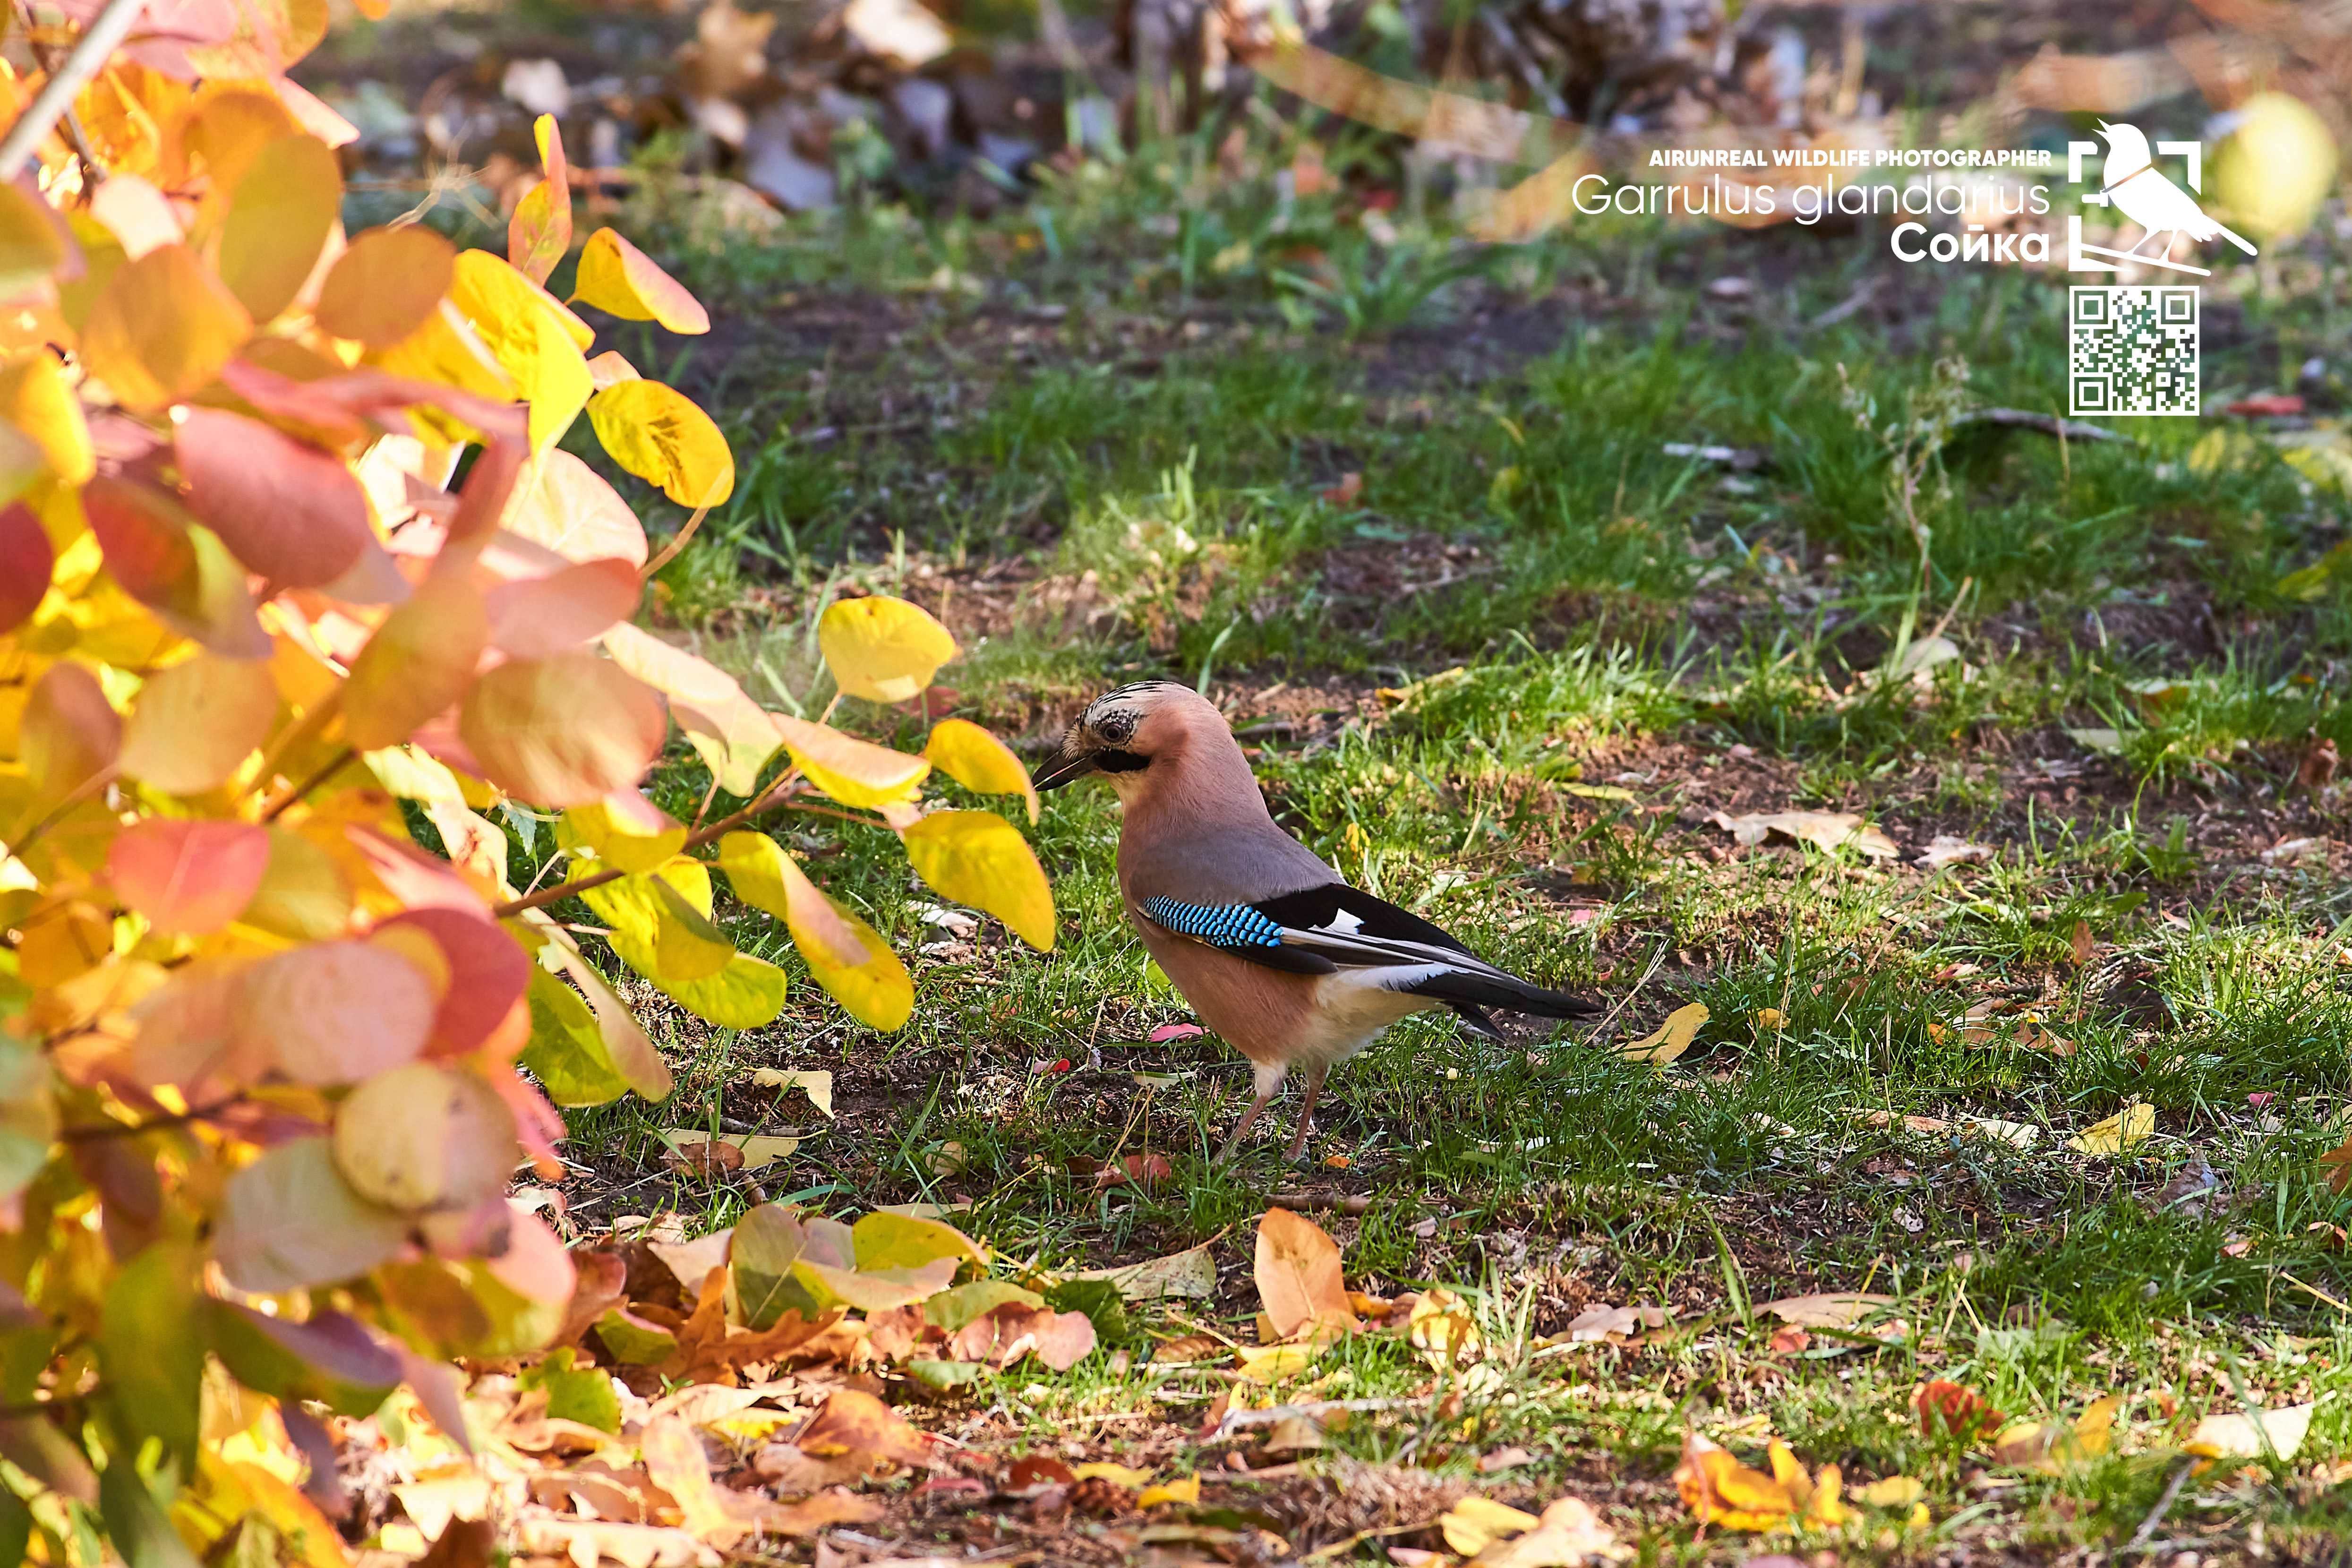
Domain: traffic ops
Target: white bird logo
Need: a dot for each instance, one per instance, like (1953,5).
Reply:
(2141,193)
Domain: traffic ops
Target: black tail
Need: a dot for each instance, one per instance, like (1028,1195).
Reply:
(1465,992)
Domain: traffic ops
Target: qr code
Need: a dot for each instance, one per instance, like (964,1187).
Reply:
(2133,350)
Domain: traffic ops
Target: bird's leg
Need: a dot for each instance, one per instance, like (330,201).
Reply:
(1249,1116)
(1306,1116)
(2170,241)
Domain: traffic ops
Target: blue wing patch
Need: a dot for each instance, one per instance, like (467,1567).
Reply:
(1230,925)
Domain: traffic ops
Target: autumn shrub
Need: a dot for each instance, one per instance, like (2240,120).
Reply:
(260,1050)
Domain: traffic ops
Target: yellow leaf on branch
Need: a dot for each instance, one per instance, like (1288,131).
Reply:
(977,858)
(883,650)
(979,761)
(853,771)
(658,434)
(621,281)
(848,956)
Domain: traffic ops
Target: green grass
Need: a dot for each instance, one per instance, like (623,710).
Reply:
(1621,643)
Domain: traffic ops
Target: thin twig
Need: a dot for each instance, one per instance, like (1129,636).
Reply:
(1240,1420)
(2147,1530)
(668,552)
(97,45)
(56,814)
(336,764)
(1601,1030)
(91,1131)
(1299,1203)
(776,799)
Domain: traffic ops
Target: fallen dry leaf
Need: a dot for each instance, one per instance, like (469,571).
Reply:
(1140,1169)
(1822,829)
(710,1349)
(2317,769)
(1298,1275)
(1828,1309)
(1948,1408)
(2337,1164)
(1949,849)
(1476,1522)
(1443,1328)
(720,1514)
(851,1436)
(2242,1436)
(1191,1274)
(696,1153)
(691,1262)
(1614,1325)
(1119,1475)
(541,1533)
(1569,1535)
(2049,1447)
(1673,1038)
(817,1086)
(1719,1490)
(1003,1335)
(1895,1491)
(1184,1490)
(2120,1133)
(1508,1459)
(1272,1363)
(2015,1133)
(761,1151)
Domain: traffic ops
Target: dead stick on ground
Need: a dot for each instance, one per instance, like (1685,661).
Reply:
(1300,1202)
(1241,1420)
(2147,1530)
(1600,1035)
(1361,1536)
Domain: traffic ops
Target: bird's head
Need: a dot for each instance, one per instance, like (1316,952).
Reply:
(2124,140)
(1123,734)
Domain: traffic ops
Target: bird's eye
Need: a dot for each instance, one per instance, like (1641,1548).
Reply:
(1115,727)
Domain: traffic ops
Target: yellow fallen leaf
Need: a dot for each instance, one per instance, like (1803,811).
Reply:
(1187,1491)
(1673,1038)
(1895,1491)
(2049,1447)
(1270,1364)
(1119,1475)
(2127,1128)
(1919,1518)
(1441,1327)
(762,1151)
(1477,1523)
(1569,1535)
(754,1426)
(1769,1018)
(817,1086)
(1721,1490)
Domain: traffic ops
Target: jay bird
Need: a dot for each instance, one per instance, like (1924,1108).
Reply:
(1275,951)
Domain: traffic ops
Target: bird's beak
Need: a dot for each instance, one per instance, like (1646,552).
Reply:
(1064,766)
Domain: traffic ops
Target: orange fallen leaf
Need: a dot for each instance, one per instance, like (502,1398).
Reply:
(1721,1490)
(1298,1275)
(1954,1409)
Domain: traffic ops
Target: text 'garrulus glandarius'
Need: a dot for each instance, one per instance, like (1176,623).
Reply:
(1273,949)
